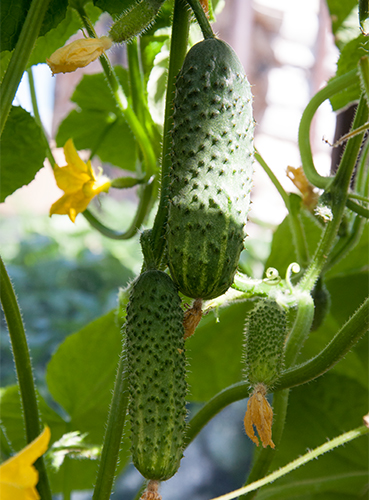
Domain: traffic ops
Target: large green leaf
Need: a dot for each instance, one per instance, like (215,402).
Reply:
(215,352)
(13,14)
(80,377)
(283,251)
(22,151)
(319,411)
(12,417)
(339,12)
(81,374)
(97,123)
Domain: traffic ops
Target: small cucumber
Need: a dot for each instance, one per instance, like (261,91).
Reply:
(265,335)
(156,366)
(212,165)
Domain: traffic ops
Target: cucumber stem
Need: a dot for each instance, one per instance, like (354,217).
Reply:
(18,62)
(23,365)
(201,18)
(178,50)
(122,103)
(333,87)
(113,435)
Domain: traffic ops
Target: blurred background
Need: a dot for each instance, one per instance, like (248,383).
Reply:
(67,274)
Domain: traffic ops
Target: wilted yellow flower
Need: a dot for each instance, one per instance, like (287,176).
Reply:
(259,414)
(18,476)
(78,54)
(309,195)
(79,183)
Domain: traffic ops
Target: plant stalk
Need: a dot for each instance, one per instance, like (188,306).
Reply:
(18,62)
(201,18)
(178,49)
(23,366)
(113,435)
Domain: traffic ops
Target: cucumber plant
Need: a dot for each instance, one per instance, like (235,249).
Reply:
(297,327)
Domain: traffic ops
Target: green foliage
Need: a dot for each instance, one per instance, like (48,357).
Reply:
(349,59)
(97,125)
(339,12)
(317,412)
(22,150)
(13,14)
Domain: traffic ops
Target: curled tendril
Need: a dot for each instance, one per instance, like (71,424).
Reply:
(272,276)
(292,268)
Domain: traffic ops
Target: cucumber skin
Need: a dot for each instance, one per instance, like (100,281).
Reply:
(156,366)
(212,166)
(265,335)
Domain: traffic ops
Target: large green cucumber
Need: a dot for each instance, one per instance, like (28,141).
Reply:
(212,165)
(156,367)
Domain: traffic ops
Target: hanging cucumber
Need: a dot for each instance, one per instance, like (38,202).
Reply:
(212,166)
(156,367)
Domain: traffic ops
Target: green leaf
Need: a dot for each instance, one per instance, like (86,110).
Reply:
(356,260)
(316,412)
(12,417)
(57,37)
(215,352)
(80,377)
(283,252)
(97,123)
(13,14)
(22,151)
(5,56)
(339,12)
(81,374)
(349,58)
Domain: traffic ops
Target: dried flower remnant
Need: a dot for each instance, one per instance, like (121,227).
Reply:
(78,54)
(79,183)
(259,414)
(309,195)
(18,476)
(192,318)
(151,492)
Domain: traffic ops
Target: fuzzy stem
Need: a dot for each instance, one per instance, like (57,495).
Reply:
(201,18)
(339,188)
(113,435)
(351,332)
(233,393)
(23,365)
(266,455)
(311,455)
(358,209)
(295,222)
(301,328)
(20,56)
(178,50)
(332,88)
(123,105)
(139,217)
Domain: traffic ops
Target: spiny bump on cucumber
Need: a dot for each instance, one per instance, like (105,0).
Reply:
(156,367)
(212,166)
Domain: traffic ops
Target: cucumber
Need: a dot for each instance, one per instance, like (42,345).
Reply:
(212,166)
(265,335)
(156,367)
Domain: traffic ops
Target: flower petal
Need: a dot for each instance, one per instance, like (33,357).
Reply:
(78,54)
(18,476)
(68,179)
(72,158)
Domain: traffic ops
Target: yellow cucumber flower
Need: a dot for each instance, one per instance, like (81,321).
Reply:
(78,54)
(79,183)
(18,476)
